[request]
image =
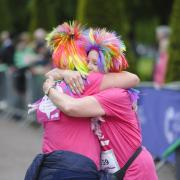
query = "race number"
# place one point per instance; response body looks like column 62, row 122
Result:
column 109, row 162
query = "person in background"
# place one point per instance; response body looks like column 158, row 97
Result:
column 163, row 34
column 6, row 49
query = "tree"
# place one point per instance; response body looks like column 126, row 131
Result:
column 49, row 13
column 66, row 10
column 81, row 7
column 42, row 14
column 100, row 13
column 174, row 51
column 4, row 14
column 17, row 10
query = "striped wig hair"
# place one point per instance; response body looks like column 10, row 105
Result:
column 110, row 49
column 66, row 42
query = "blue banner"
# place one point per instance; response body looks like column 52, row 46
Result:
column 159, row 113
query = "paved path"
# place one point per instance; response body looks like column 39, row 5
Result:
column 19, row 145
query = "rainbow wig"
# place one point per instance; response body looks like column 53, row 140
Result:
column 67, row 44
column 110, row 49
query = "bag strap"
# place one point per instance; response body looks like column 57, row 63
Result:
column 121, row 173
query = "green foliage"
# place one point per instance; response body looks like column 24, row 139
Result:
column 66, row 11
column 42, row 14
column 145, row 31
column 19, row 14
column 4, row 14
column 109, row 14
column 81, row 6
column 173, row 73
column 49, row 13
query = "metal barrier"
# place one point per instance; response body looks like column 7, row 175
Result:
column 13, row 104
column 3, row 98
column 34, row 92
column 12, row 101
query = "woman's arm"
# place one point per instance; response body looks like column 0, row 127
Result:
column 123, row 80
column 77, row 107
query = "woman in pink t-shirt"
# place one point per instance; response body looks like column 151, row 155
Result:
column 120, row 134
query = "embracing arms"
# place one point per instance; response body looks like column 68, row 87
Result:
column 123, row 79
column 77, row 107
column 87, row 106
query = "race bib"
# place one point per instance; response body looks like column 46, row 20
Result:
column 109, row 162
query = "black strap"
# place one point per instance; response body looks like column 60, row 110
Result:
column 121, row 173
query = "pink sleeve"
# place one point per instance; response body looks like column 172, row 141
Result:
column 93, row 83
column 114, row 101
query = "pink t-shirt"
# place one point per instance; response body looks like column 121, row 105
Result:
column 123, row 135
column 74, row 134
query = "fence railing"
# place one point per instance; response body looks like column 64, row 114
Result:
column 16, row 93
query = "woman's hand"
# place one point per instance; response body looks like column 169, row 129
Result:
column 48, row 84
column 73, row 78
